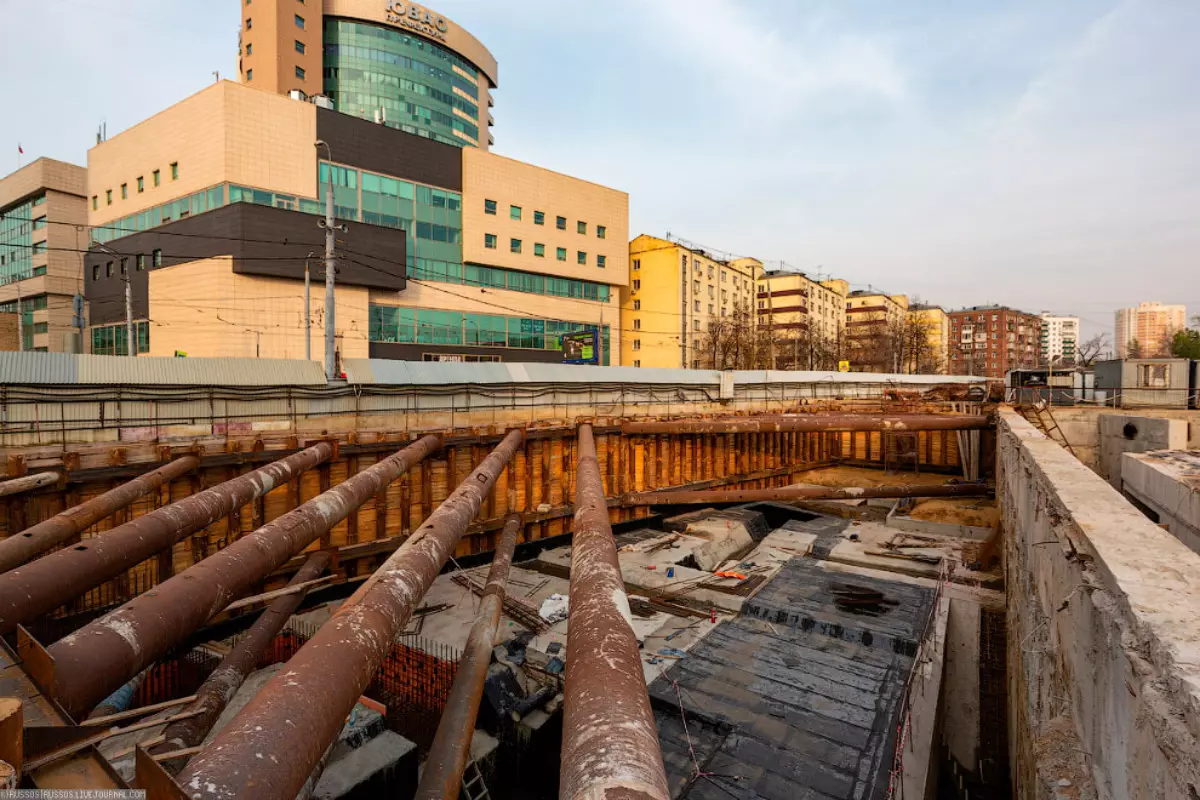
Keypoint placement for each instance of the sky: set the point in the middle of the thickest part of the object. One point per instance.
(1043, 155)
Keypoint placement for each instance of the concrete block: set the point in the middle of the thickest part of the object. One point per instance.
(1126, 433)
(386, 766)
(1167, 484)
(726, 537)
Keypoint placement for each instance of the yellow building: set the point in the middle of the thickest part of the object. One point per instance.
(805, 318)
(685, 308)
(43, 218)
(929, 351)
(210, 209)
(874, 322)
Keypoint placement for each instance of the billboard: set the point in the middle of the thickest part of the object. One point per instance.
(580, 347)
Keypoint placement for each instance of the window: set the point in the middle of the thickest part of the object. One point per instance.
(514, 212)
(601, 232)
(157, 256)
(124, 191)
(710, 308)
(141, 184)
(298, 44)
(539, 218)
(637, 324)
(581, 257)
(249, 23)
(95, 272)
(561, 254)
(108, 197)
(141, 262)
(601, 261)
(300, 22)
(39, 223)
(489, 241)
(514, 245)
(1154, 376)
(637, 305)
(711, 292)
(489, 206)
(695, 324)
(124, 266)
(539, 250)
(156, 175)
(95, 202)
(300, 73)
(249, 49)
(637, 362)
(696, 306)
(174, 170)
(637, 264)
(560, 223)
(695, 287)
(108, 269)
(581, 227)
(637, 284)
(637, 344)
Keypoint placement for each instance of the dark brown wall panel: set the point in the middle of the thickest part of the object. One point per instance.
(378, 148)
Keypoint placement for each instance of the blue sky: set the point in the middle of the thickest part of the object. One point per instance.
(1038, 154)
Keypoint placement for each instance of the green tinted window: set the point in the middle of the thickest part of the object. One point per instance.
(561, 254)
(539, 249)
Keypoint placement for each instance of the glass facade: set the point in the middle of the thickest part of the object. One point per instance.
(369, 68)
(197, 203)
(16, 241)
(113, 340)
(28, 326)
(429, 326)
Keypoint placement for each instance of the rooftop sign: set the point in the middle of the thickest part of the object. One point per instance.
(417, 19)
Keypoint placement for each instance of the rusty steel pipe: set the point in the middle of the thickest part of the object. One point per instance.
(27, 483)
(813, 423)
(17, 549)
(796, 493)
(216, 692)
(270, 748)
(99, 657)
(610, 742)
(442, 778)
(39, 587)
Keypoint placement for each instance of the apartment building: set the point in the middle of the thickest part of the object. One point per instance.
(992, 340)
(210, 209)
(1060, 337)
(805, 318)
(43, 219)
(874, 325)
(685, 308)
(1145, 330)
(928, 348)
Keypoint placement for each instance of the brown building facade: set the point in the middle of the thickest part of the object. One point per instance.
(989, 341)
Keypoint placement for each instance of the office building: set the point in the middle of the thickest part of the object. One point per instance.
(1060, 337)
(210, 209)
(989, 341)
(43, 219)
(685, 307)
(1145, 330)
(805, 318)
(399, 64)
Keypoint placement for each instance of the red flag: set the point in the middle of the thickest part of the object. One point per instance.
(20, 149)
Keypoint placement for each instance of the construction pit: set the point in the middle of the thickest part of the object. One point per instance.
(813, 601)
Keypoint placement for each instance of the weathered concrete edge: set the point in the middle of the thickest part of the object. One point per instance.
(1149, 584)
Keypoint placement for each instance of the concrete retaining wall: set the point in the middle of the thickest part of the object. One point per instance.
(1122, 433)
(1103, 634)
(1081, 426)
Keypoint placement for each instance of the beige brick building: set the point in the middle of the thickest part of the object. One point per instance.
(1150, 326)
(43, 218)
(805, 318)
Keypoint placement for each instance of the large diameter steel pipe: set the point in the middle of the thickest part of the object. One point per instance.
(97, 658)
(216, 692)
(270, 748)
(610, 742)
(41, 586)
(27, 483)
(21, 547)
(442, 778)
(796, 493)
(813, 423)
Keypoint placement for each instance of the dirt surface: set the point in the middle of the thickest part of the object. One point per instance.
(976, 513)
(862, 476)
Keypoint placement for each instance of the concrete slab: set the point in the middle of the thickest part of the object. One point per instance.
(1129, 433)
(1167, 483)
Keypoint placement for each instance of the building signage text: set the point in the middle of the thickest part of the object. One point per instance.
(418, 19)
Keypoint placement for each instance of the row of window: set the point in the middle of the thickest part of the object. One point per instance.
(16, 241)
(490, 241)
(120, 266)
(155, 178)
(539, 218)
(512, 280)
(113, 340)
(428, 326)
(179, 208)
(38, 302)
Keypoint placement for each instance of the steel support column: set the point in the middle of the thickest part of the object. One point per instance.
(270, 748)
(99, 657)
(797, 493)
(442, 778)
(610, 745)
(41, 586)
(216, 692)
(16, 550)
(813, 422)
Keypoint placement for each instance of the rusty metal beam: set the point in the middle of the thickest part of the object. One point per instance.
(99, 657)
(216, 692)
(37, 588)
(19, 548)
(270, 748)
(442, 778)
(813, 423)
(28, 483)
(797, 493)
(610, 742)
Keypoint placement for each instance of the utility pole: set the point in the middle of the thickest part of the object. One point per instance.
(328, 225)
(131, 338)
(307, 311)
(20, 320)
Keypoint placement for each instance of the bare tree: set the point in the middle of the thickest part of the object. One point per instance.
(735, 341)
(1090, 349)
